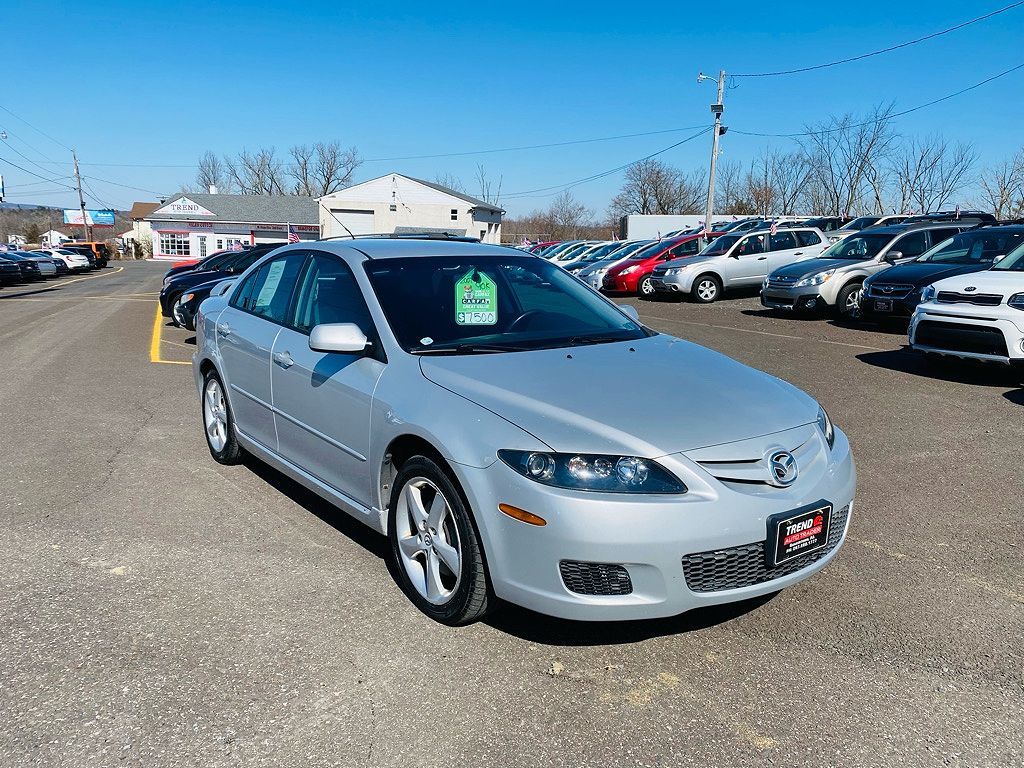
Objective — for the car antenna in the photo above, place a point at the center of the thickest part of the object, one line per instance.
(338, 220)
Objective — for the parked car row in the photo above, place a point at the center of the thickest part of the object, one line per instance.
(18, 266)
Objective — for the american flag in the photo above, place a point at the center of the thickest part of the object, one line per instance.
(774, 227)
(293, 236)
(958, 211)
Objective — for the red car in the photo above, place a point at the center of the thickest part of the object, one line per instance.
(634, 274)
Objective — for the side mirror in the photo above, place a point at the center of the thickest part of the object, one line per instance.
(221, 288)
(892, 256)
(630, 311)
(338, 337)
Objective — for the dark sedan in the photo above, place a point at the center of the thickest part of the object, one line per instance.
(10, 272)
(187, 306)
(895, 292)
(179, 284)
(29, 267)
(213, 261)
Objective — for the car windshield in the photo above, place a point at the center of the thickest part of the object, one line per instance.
(858, 247)
(600, 253)
(861, 222)
(1012, 262)
(720, 245)
(974, 247)
(467, 305)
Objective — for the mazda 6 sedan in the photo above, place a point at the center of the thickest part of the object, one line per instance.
(431, 389)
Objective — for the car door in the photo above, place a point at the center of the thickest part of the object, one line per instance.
(245, 331)
(322, 399)
(747, 264)
(783, 249)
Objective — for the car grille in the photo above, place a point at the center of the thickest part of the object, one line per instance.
(960, 337)
(889, 291)
(745, 566)
(595, 578)
(781, 282)
(978, 299)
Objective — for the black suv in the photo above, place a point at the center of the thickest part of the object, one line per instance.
(896, 292)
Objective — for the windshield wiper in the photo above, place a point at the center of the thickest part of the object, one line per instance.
(579, 340)
(467, 349)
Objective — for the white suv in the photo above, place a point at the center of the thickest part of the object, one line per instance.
(976, 316)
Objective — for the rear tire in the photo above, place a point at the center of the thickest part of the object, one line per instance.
(706, 289)
(434, 545)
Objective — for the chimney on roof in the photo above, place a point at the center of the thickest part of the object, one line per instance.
(213, 189)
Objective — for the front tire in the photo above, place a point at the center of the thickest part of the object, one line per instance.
(218, 422)
(645, 287)
(706, 289)
(848, 302)
(434, 545)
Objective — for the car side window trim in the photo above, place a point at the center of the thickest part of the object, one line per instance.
(247, 287)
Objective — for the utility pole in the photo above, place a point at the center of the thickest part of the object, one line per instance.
(81, 200)
(717, 108)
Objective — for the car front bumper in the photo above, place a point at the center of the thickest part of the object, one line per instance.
(975, 333)
(679, 283)
(649, 537)
(805, 299)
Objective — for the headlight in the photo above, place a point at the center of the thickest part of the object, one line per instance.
(187, 298)
(928, 294)
(825, 425)
(1016, 301)
(817, 279)
(593, 472)
(629, 270)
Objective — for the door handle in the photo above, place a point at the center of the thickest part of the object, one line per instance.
(761, 258)
(284, 359)
(223, 329)
(799, 253)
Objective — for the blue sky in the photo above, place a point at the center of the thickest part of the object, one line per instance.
(402, 78)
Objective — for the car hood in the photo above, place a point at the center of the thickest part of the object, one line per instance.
(189, 279)
(808, 267)
(923, 273)
(649, 397)
(990, 281)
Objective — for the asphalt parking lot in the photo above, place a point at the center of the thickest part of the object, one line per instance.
(158, 609)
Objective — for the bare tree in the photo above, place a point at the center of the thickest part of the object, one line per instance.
(489, 191)
(841, 152)
(730, 187)
(211, 173)
(256, 173)
(929, 171)
(653, 187)
(1002, 187)
(568, 216)
(451, 181)
(322, 168)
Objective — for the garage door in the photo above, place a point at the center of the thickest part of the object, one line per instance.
(357, 222)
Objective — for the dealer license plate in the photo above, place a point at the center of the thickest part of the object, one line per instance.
(883, 305)
(794, 534)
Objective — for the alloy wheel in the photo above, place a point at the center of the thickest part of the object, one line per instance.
(707, 290)
(646, 286)
(852, 307)
(215, 415)
(428, 541)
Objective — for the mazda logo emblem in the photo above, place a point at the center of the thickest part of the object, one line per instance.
(970, 288)
(782, 468)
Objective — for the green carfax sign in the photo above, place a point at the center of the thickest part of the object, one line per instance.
(476, 299)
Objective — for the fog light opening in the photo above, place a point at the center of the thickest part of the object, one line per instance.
(521, 515)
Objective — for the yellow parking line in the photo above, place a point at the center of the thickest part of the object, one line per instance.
(154, 342)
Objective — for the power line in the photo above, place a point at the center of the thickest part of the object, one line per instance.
(40, 131)
(561, 187)
(119, 184)
(31, 173)
(822, 132)
(891, 48)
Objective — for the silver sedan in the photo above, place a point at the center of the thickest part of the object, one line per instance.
(436, 391)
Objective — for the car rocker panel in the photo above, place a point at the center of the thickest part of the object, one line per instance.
(977, 316)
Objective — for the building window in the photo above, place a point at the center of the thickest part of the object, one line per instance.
(174, 244)
(455, 214)
(220, 244)
(202, 247)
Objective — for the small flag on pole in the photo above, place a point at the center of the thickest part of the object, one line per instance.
(293, 236)
(774, 227)
(958, 211)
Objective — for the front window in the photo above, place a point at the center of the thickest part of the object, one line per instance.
(974, 247)
(861, 222)
(466, 305)
(720, 245)
(858, 247)
(174, 244)
(1013, 262)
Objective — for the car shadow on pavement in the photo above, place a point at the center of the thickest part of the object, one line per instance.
(1016, 396)
(25, 292)
(960, 372)
(348, 526)
(781, 314)
(547, 630)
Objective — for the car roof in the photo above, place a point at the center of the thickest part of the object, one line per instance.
(396, 248)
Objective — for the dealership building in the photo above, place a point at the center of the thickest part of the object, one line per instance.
(194, 225)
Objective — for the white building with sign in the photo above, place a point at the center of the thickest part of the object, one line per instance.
(401, 204)
(194, 225)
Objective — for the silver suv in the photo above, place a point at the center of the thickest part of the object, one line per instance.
(736, 261)
(431, 390)
(834, 280)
